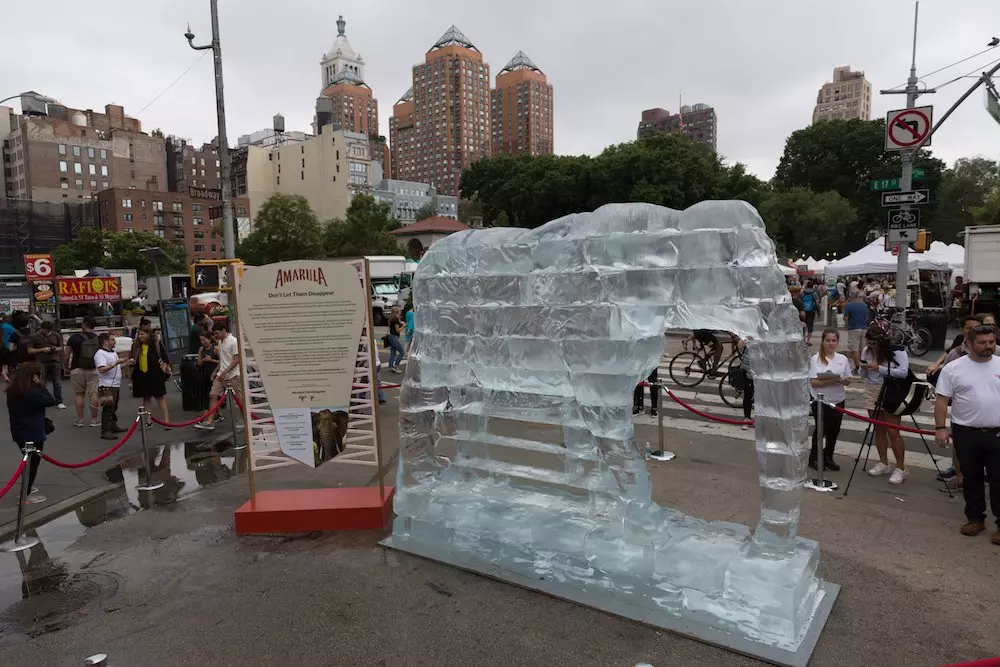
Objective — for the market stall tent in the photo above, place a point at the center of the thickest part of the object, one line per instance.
(873, 258)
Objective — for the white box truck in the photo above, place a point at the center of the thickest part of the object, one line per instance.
(982, 269)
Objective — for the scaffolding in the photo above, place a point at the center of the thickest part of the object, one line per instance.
(38, 227)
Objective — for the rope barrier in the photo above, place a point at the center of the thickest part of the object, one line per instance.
(381, 386)
(189, 422)
(17, 473)
(721, 420)
(898, 427)
(96, 459)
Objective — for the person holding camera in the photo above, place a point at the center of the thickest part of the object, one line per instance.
(972, 385)
(883, 363)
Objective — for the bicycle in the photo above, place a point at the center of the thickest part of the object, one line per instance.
(690, 367)
(733, 383)
(914, 337)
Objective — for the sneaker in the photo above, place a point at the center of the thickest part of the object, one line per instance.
(108, 435)
(880, 469)
(745, 427)
(94, 424)
(652, 413)
(34, 489)
(637, 410)
(118, 429)
(899, 475)
(34, 499)
(61, 406)
(946, 474)
(972, 528)
(204, 427)
(78, 422)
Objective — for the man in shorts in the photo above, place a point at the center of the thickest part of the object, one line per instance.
(708, 338)
(856, 319)
(83, 369)
(227, 374)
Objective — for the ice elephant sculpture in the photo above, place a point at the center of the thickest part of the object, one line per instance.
(518, 457)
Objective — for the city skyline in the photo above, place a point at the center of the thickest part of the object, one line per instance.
(271, 68)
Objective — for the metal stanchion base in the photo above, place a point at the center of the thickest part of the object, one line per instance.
(150, 487)
(821, 485)
(19, 545)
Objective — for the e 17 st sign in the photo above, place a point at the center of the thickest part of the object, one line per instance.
(38, 267)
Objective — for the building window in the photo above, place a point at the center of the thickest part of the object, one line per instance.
(157, 205)
(196, 208)
(127, 217)
(178, 220)
(199, 247)
(93, 184)
(76, 151)
(203, 173)
(62, 148)
(90, 153)
(64, 183)
(126, 203)
(303, 175)
(158, 232)
(199, 235)
(178, 207)
(63, 167)
(77, 168)
(197, 222)
(104, 170)
(93, 169)
(157, 218)
(79, 184)
(104, 154)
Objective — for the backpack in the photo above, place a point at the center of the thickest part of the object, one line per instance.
(808, 301)
(88, 348)
(18, 346)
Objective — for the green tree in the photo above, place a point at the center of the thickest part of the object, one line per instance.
(737, 183)
(118, 250)
(364, 231)
(285, 229)
(968, 196)
(843, 156)
(428, 210)
(802, 222)
(502, 220)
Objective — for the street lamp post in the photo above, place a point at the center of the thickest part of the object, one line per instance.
(154, 254)
(31, 93)
(228, 227)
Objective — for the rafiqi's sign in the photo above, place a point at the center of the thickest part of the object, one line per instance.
(88, 290)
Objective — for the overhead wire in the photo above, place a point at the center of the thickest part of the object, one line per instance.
(941, 69)
(967, 75)
(175, 81)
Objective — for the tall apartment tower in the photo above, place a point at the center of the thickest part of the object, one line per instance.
(345, 99)
(849, 95)
(521, 106)
(450, 107)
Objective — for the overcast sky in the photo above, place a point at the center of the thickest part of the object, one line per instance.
(758, 62)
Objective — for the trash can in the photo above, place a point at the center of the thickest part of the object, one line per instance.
(194, 390)
(936, 321)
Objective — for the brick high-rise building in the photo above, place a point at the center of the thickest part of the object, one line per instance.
(68, 155)
(188, 166)
(351, 106)
(402, 138)
(178, 217)
(849, 95)
(451, 126)
(521, 108)
(698, 122)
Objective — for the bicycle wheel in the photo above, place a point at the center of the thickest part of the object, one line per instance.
(921, 342)
(687, 369)
(731, 395)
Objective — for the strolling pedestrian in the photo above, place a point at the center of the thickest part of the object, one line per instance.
(27, 399)
(109, 382)
(396, 351)
(972, 385)
(654, 394)
(201, 325)
(810, 303)
(80, 350)
(856, 319)
(226, 374)
(46, 346)
(409, 318)
(829, 374)
(881, 362)
(150, 371)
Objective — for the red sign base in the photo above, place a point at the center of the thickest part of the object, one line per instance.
(304, 510)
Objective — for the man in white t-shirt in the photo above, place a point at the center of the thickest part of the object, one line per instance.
(227, 373)
(972, 383)
(109, 382)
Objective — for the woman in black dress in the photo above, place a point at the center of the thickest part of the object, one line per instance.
(150, 372)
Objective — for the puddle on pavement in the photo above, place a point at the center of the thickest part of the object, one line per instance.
(44, 588)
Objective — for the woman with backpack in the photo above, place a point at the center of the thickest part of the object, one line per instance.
(27, 399)
(810, 303)
(885, 369)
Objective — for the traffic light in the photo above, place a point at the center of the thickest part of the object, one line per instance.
(923, 242)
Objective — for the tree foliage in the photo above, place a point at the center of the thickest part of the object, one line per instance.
(969, 195)
(285, 229)
(802, 222)
(117, 250)
(364, 231)
(428, 210)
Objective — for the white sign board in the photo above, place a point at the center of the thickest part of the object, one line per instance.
(303, 320)
(904, 225)
(905, 128)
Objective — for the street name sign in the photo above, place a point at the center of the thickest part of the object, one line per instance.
(904, 225)
(993, 105)
(880, 184)
(905, 128)
(912, 197)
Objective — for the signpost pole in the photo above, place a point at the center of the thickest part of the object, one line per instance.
(373, 381)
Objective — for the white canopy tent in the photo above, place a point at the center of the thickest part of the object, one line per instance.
(873, 258)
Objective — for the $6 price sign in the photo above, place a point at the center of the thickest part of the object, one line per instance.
(38, 267)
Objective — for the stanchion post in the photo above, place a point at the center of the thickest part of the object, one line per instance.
(374, 384)
(20, 542)
(149, 485)
(820, 438)
(659, 413)
(231, 398)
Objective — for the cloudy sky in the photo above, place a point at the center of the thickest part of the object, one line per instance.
(758, 62)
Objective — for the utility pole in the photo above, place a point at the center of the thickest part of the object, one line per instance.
(228, 226)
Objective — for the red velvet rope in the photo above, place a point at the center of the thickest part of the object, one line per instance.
(17, 473)
(898, 427)
(83, 464)
(721, 420)
(191, 421)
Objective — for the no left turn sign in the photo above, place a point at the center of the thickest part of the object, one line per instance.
(905, 128)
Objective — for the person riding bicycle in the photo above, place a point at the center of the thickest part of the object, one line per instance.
(709, 339)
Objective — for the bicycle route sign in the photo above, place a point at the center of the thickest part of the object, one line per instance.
(904, 224)
(906, 128)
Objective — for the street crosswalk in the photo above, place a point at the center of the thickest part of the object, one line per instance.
(705, 397)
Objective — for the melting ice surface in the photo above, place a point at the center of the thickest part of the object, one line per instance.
(516, 424)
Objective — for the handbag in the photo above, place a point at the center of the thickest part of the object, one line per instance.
(50, 426)
(385, 340)
(105, 396)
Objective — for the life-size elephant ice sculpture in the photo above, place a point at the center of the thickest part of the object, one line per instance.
(518, 451)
